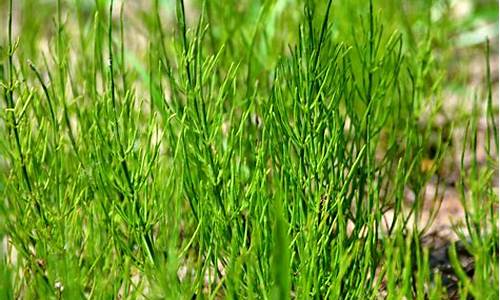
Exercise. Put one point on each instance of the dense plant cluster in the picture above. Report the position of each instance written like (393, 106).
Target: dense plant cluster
(261, 149)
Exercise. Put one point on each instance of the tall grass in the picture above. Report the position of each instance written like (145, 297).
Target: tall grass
(240, 153)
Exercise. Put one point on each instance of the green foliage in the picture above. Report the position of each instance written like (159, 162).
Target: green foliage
(243, 149)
